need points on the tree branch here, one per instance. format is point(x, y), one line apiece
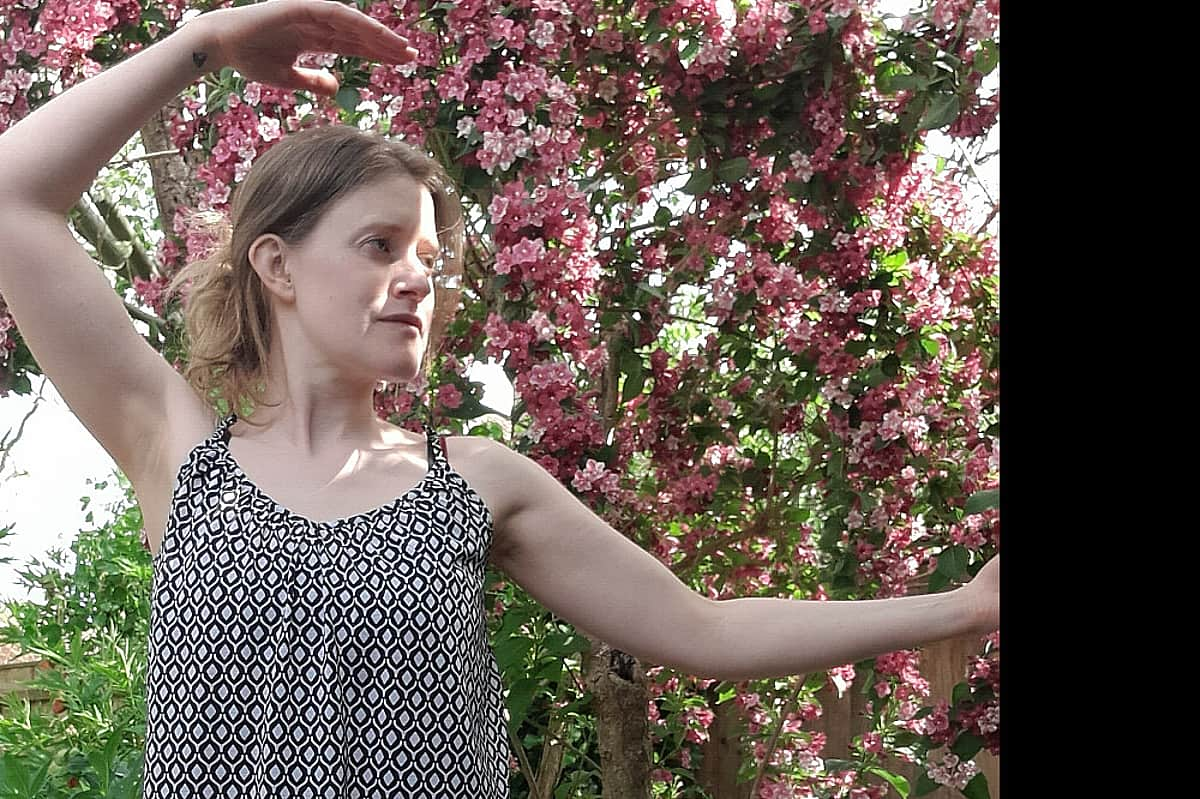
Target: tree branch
point(147, 157)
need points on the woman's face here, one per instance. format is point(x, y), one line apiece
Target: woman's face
point(367, 258)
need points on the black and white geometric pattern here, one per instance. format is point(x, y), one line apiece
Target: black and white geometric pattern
point(335, 660)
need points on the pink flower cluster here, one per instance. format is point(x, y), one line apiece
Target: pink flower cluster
point(245, 131)
point(151, 291)
point(898, 675)
point(952, 771)
point(449, 396)
point(595, 477)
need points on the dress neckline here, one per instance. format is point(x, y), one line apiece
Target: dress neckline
point(433, 464)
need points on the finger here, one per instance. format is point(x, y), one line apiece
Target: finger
point(366, 36)
point(317, 81)
point(373, 50)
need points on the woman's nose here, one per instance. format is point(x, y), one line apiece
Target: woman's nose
point(412, 279)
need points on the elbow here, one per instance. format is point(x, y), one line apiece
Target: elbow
point(710, 649)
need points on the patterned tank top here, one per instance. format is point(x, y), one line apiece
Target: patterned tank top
point(346, 659)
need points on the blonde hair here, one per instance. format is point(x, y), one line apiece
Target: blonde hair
point(227, 311)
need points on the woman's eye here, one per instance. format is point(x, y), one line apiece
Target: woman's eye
point(383, 241)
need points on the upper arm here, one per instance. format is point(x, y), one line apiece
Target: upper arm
point(81, 336)
point(576, 565)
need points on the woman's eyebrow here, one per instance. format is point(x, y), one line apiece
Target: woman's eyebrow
point(384, 224)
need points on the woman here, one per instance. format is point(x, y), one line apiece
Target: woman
point(300, 645)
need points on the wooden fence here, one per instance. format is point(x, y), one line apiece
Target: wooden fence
point(944, 664)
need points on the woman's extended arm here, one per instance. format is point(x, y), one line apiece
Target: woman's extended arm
point(576, 565)
point(759, 637)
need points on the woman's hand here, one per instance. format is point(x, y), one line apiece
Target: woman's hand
point(263, 41)
point(982, 597)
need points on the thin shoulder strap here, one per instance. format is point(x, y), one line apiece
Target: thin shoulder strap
point(224, 427)
point(437, 455)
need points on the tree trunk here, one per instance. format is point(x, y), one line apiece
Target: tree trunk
point(618, 685)
point(173, 176)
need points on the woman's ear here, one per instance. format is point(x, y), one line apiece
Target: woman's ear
point(267, 258)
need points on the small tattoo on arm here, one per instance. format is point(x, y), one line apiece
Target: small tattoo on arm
point(199, 58)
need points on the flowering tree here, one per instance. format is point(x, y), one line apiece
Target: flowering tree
point(743, 319)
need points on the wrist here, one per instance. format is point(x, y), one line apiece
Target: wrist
point(198, 38)
point(979, 614)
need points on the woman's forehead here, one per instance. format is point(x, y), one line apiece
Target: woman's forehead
point(398, 201)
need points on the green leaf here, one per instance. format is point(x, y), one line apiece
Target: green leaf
point(895, 780)
point(663, 216)
point(967, 746)
point(943, 109)
point(700, 182)
point(982, 500)
point(520, 697)
point(511, 651)
point(633, 386)
point(924, 785)
point(987, 57)
point(930, 346)
point(961, 693)
point(977, 788)
point(635, 375)
point(347, 98)
point(766, 94)
point(952, 562)
point(831, 534)
point(890, 365)
point(876, 376)
point(902, 82)
point(652, 290)
point(733, 169)
point(884, 75)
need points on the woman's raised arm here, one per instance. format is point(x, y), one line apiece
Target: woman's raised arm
point(73, 322)
point(50, 158)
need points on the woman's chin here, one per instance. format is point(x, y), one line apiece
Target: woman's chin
point(400, 377)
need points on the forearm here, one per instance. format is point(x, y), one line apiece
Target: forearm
point(759, 637)
point(50, 157)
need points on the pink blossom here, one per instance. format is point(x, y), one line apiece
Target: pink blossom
point(449, 395)
point(542, 325)
point(587, 476)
